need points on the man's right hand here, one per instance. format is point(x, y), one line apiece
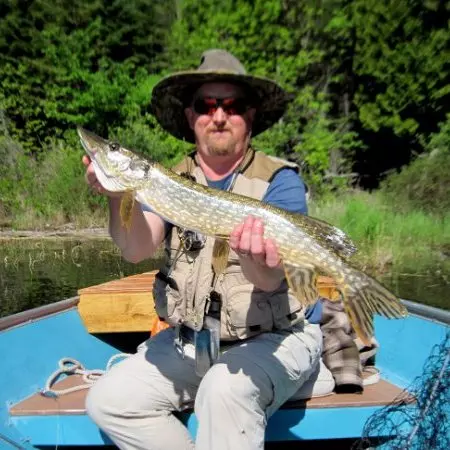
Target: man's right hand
point(92, 180)
point(147, 230)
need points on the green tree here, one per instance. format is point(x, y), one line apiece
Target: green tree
point(401, 63)
point(71, 62)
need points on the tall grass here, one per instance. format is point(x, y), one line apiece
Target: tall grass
point(47, 189)
point(389, 240)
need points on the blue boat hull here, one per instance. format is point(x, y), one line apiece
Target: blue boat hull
point(30, 352)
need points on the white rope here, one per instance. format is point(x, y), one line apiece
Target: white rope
point(70, 366)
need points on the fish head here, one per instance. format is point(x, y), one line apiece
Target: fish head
point(117, 168)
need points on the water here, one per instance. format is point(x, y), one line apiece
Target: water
point(38, 272)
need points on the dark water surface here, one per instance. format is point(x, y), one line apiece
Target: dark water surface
point(38, 272)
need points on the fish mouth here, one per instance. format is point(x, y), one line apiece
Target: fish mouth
point(90, 141)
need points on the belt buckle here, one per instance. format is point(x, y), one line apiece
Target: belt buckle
point(178, 341)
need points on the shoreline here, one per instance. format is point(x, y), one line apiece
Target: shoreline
point(55, 233)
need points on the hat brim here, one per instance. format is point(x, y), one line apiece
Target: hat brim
point(169, 96)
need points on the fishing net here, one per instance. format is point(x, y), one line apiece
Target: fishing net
point(424, 425)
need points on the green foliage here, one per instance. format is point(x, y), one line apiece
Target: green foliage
point(401, 60)
point(440, 141)
point(391, 242)
point(73, 62)
point(425, 183)
point(140, 130)
point(60, 187)
point(15, 173)
point(348, 64)
point(146, 136)
point(49, 189)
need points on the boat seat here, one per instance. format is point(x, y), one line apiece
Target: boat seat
point(379, 394)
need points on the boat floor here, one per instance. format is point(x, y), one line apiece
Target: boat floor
point(379, 394)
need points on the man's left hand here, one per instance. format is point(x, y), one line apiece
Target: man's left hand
point(247, 240)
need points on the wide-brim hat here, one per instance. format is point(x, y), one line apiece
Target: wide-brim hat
point(173, 93)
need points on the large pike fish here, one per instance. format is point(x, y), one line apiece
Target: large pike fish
point(306, 246)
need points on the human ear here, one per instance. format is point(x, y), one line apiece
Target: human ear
point(190, 116)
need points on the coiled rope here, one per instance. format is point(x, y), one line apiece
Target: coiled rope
point(70, 366)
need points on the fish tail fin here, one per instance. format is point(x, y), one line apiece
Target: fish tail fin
point(363, 296)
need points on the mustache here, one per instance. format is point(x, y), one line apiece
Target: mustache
point(213, 130)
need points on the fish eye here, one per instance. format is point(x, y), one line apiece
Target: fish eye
point(114, 146)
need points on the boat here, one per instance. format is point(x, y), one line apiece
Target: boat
point(102, 322)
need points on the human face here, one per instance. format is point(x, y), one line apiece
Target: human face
point(221, 131)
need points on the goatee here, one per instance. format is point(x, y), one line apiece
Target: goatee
point(221, 147)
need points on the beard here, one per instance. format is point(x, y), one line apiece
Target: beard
point(221, 144)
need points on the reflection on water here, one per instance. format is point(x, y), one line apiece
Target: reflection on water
point(38, 272)
point(430, 289)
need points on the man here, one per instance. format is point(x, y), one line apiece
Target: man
point(267, 347)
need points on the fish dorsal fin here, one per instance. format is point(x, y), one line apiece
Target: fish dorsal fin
point(329, 236)
point(126, 209)
point(221, 251)
point(302, 281)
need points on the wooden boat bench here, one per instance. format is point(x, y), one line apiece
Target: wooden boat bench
point(73, 403)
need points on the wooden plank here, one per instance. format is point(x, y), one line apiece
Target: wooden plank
point(115, 312)
point(379, 394)
point(123, 305)
point(140, 282)
point(67, 404)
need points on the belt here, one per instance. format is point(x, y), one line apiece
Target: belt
point(188, 335)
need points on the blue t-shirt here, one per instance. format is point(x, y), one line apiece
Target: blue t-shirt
point(286, 190)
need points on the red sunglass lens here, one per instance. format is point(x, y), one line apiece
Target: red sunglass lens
point(209, 105)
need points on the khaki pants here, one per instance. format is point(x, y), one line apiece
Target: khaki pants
point(134, 401)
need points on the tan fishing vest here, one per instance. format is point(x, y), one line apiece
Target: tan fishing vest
point(246, 311)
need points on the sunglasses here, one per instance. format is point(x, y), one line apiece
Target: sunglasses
point(230, 105)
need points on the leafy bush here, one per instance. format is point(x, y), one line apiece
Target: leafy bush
point(425, 183)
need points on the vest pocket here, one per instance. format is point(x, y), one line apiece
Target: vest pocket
point(248, 312)
point(168, 302)
point(286, 309)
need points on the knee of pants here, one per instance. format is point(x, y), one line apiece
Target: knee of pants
point(107, 399)
point(100, 403)
point(221, 389)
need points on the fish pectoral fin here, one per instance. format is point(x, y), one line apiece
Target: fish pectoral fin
point(221, 251)
point(126, 209)
point(302, 281)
